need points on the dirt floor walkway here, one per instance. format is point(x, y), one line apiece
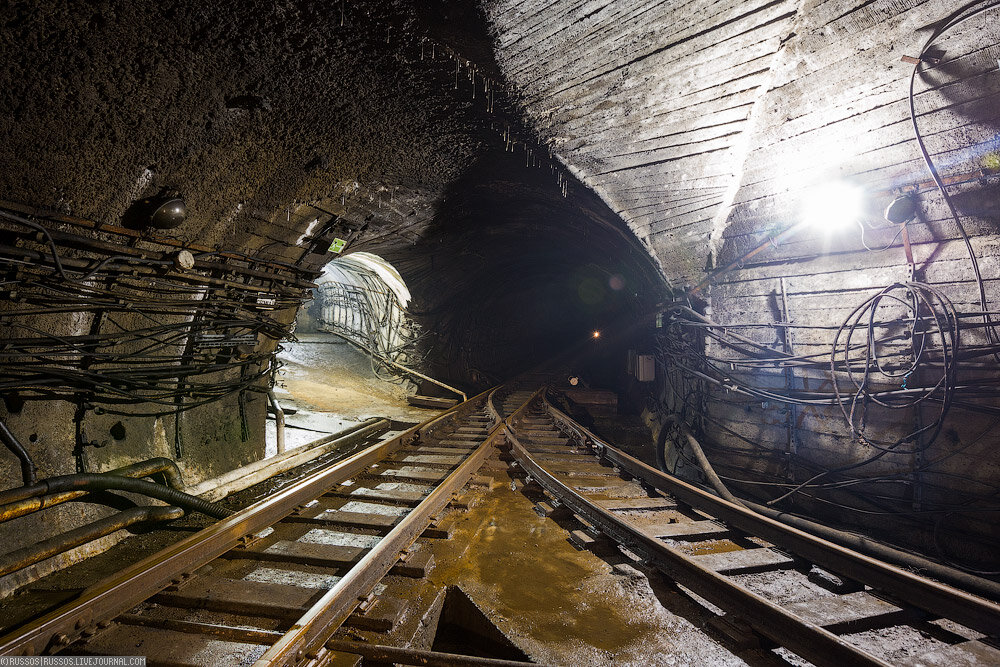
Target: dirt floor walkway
point(331, 386)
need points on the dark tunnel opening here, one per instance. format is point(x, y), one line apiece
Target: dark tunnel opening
point(512, 274)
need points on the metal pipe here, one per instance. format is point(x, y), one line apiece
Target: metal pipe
point(147, 468)
point(28, 470)
point(31, 505)
point(24, 506)
point(279, 419)
point(22, 558)
point(413, 656)
point(706, 467)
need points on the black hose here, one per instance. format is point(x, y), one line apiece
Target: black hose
point(29, 473)
point(105, 482)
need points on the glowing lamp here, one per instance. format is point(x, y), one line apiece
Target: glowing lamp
point(597, 334)
point(832, 206)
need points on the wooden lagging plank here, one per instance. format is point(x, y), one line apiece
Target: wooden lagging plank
point(603, 487)
point(440, 531)
point(381, 617)
point(417, 565)
point(378, 495)
point(353, 519)
point(561, 455)
point(428, 449)
point(432, 459)
point(303, 553)
point(963, 654)
point(578, 469)
point(687, 530)
point(404, 475)
point(169, 648)
point(334, 556)
point(555, 440)
point(566, 448)
point(459, 444)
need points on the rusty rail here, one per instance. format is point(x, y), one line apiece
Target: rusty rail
point(970, 610)
point(116, 595)
point(309, 634)
point(810, 641)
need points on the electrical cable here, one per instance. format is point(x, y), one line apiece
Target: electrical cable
point(957, 18)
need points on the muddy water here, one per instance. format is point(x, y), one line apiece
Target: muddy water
point(563, 606)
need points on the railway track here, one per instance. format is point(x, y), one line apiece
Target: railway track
point(272, 583)
point(767, 580)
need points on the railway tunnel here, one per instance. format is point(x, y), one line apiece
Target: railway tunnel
point(747, 247)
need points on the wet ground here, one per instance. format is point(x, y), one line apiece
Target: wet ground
point(331, 386)
point(567, 607)
point(557, 604)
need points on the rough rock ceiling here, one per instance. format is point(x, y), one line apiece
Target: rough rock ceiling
point(279, 121)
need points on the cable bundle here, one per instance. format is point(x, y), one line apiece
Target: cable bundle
point(922, 341)
point(133, 327)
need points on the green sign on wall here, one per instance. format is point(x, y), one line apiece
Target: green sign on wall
point(337, 245)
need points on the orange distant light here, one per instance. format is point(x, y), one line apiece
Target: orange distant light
point(597, 334)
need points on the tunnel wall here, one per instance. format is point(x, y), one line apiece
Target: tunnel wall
point(245, 115)
point(702, 124)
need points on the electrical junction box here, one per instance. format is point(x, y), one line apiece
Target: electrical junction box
point(645, 368)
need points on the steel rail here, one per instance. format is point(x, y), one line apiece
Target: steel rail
point(306, 639)
point(119, 593)
point(809, 641)
point(932, 596)
point(496, 413)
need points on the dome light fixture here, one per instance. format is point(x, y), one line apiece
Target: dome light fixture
point(168, 213)
point(901, 210)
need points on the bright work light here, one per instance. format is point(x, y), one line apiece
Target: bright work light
point(831, 206)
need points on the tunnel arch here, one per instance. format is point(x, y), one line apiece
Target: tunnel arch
point(362, 297)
